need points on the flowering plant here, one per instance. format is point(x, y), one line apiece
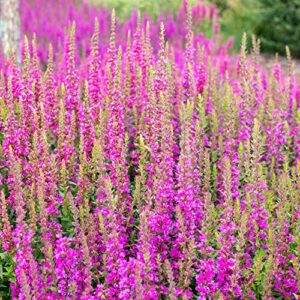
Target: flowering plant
point(151, 165)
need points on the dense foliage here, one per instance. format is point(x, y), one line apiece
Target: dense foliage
point(275, 22)
point(124, 8)
point(280, 26)
point(147, 163)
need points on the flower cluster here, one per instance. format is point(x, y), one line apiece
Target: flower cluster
point(146, 162)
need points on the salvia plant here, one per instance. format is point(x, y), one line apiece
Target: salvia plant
point(146, 162)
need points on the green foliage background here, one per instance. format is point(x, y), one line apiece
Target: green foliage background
point(237, 17)
point(152, 7)
point(280, 26)
point(275, 22)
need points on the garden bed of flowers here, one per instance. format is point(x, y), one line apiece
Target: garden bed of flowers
point(142, 161)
